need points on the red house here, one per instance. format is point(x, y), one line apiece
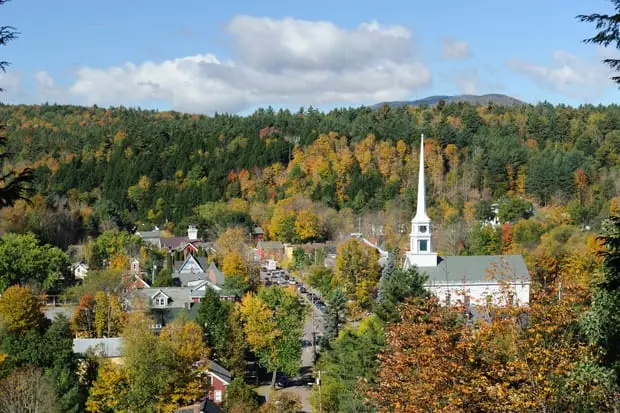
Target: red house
point(219, 379)
point(269, 250)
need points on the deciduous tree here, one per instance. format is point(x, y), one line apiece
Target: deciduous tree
point(20, 310)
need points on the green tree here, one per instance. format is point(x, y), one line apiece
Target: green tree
point(335, 314)
point(396, 288)
point(273, 322)
point(14, 184)
point(240, 398)
point(352, 358)
point(602, 323)
point(357, 268)
point(24, 261)
point(213, 317)
point(50, 347)
point(609, 33)
point(485, 240)
point(513, 209)
point(483, 210)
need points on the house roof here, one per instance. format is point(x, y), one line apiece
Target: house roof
point(174, 242)
point(477, 269)
point(149, 234)
point(217, 274)
point(258, 231)
point(220, 372)
point(207, 406)
point(270, 245)
point(109, 347)
point(177, 296)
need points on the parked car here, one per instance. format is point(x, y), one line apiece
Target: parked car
point(282, 381)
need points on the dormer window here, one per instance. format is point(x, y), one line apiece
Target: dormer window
point(161, 301)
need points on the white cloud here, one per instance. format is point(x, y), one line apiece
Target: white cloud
point(275, 61)
point(569, 75)
point(10, 81)
point(455, 49)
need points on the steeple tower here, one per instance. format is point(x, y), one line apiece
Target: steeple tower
point(421, 251)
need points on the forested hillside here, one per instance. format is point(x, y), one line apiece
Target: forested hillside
point(97, 167)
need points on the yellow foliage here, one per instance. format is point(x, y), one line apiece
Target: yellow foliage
point(119, 262)
point(19, 309)
point(234, 264)
point(308, 225)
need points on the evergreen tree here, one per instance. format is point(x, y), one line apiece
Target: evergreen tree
point(609, 26)
point(602, 323)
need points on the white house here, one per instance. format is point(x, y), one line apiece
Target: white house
point(80, 270)
point(471, 279)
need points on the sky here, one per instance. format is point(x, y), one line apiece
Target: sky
point(235, 56)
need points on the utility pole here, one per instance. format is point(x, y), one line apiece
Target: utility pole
point(313, 335)
point(318, 381)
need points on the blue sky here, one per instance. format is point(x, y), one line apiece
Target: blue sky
point(204, 56)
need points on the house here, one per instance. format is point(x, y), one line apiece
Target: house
point(269, 250)
point(152, 237)
point(206, 406)
point(219, 379)
point(195, 269)
point(166, 303)
point(134, 281)
point(109, 348)
point(475, 280)
point(191, 269)
point(80, 270)
point(258, 234)
point(134, 266)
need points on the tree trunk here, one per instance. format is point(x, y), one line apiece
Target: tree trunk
point(273, 378)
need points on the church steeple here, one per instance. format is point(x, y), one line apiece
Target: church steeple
point(421, 251)
point(420, 214)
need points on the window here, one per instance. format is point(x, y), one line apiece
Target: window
point(423, 229)
point(423, 245)
point(217, 396)
point(161, 301)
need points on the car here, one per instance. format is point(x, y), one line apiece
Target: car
point(302, 289)
point(282, 381)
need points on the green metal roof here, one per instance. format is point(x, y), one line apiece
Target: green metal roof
point(477, 269)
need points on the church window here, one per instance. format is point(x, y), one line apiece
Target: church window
point(423, 229)
point(423, 245)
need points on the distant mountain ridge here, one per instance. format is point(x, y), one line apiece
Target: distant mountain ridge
point(495, 98)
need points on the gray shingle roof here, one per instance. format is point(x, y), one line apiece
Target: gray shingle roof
point(178, 295)
point(477, 269)
point(220, 371)
point(110, 347)
point(270, 245)
point(149, 234)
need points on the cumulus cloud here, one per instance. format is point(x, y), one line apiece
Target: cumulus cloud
point(569, 74)
point(10, 82)
point(274, 61)
point(455, 49)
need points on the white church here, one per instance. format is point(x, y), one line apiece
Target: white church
point(472, 280)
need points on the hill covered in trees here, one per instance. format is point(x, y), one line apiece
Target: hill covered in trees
point(493, 98)
point(97, 167)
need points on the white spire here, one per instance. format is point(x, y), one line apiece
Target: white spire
point(420, 214)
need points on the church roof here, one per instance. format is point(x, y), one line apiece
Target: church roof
point(476, 269)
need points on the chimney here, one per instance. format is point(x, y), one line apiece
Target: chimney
point(192, 233)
